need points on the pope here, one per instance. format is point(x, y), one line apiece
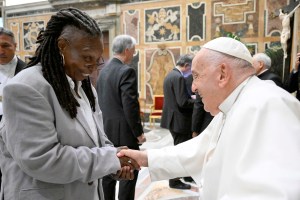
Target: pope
point(251, 149)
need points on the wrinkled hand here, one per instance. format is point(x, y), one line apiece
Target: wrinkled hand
point(126, 161)
point(127, 167)
point(141, 139)
point(140, 157)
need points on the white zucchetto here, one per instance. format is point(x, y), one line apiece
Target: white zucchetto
point(229, 46)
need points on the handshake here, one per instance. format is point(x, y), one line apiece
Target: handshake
point(130, 160)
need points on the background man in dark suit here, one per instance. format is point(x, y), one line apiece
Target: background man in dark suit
point(262, 63)
point(10, 65)
point(293, 82)
point(178, 108)
point(118, 100)
point(200, 118)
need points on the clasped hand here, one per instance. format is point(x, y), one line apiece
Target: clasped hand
point(128, 166)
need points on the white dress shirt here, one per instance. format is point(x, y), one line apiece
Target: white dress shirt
point(84, 107)
point(7, 71)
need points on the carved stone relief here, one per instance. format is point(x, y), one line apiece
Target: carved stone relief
point(159, 62)
point(162, 24)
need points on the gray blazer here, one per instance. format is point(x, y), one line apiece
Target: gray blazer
point(44, 153)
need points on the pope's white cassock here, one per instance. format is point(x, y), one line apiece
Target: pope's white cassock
point(251, 149)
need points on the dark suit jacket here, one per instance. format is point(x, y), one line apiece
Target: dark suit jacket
point(118, 100)
point(268, 75)
point(20, 65)
point(188, 83)
point(293, 84)
point(178, 105)
point(201, 118)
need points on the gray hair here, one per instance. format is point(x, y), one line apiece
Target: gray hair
point(262, 57)
point(4, 31)
point(121, 43)
point(186, 58)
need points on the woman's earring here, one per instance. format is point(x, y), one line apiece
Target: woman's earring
point(62, 59)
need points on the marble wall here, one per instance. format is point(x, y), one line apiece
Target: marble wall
point(166, 29)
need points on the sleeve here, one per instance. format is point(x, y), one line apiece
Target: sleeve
point(32, 140)
point(184, 159)
point(183, 99)
point(129, 96)
point(293, 82)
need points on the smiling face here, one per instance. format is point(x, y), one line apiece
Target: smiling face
point(7, 49)
point(82, 54)
point(206, 81)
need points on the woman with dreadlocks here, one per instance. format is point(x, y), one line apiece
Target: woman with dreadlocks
point(52, 141)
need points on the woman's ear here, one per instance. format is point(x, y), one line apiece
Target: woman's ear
point(61, 43)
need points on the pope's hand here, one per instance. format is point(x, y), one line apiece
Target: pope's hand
point(125, 161)
point(140, 157)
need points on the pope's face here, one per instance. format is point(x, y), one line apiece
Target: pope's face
point(7, 49)
point(82, 56)
point(205, 81)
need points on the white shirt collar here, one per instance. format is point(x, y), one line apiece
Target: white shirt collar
point(179, 70)
point(72, 84)
point(262, 72)
point(9, 68)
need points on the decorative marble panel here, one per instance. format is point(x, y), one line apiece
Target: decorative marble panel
point(252, 48)
point(195, 21)
point(235, 16)
point(131, 23)
point(162, 24)
point(30, 33)
point(193, 49)
point(159, 62)
point(272, 22)
point(15, 28)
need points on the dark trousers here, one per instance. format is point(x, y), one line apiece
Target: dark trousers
point(126, 188)
point(179, 138)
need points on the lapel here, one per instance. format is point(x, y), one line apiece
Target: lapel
point(20, 66)
point(99, 129)
point(81, 119)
